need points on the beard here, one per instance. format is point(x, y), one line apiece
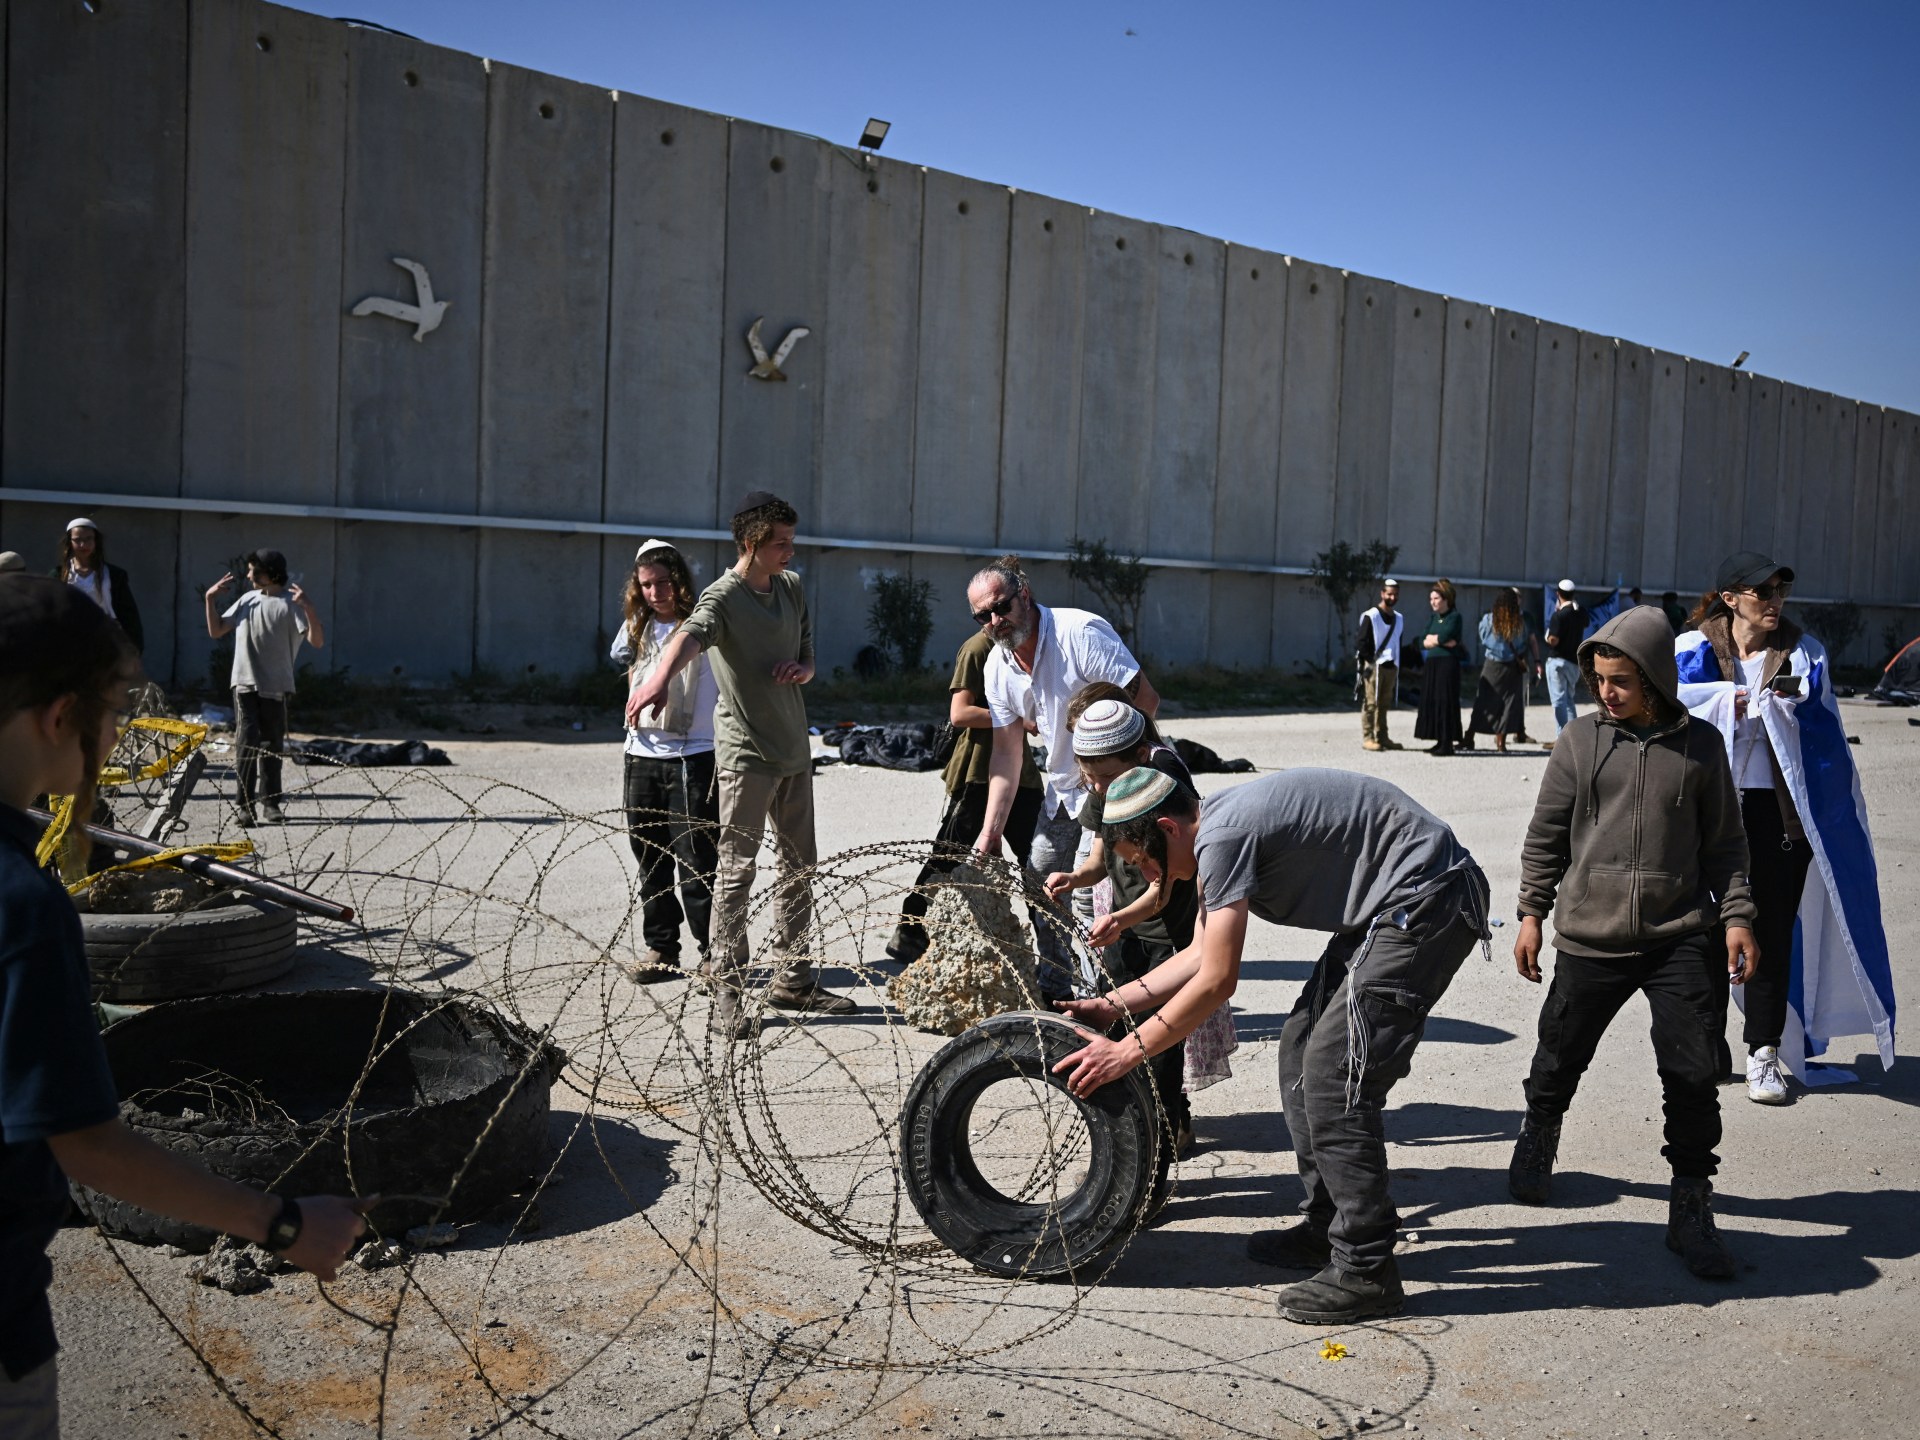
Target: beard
point(1013, 637)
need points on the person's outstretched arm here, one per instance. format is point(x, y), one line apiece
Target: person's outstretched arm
point(217, 625)
point(1003, 778)
point(316, 633)
point(675, 656)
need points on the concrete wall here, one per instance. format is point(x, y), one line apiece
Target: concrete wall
point(199, 191)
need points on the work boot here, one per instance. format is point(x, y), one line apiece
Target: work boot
point(1386, 744)
point(1340, 1297)
point(1371, 745)
point(908, 944)
point(1298, 1247)
point(810, 998)
point(728, 1021)
point(652, 968)
point(273, 814)
point(1690, 1231)
point(1530, 1172)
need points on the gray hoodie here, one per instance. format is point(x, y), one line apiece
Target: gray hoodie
point(1638, 841)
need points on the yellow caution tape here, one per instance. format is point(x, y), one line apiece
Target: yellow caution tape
point(225, 850)
point(191, 735)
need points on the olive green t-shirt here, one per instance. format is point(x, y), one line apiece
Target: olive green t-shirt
point(973, 755)
point(758, 725)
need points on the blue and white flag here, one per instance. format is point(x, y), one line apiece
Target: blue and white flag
point(1598, 615)
point(1842, 977)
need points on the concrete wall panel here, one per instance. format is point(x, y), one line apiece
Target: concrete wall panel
point(410, 410)
point(1246, 496)
point(1309, 447)
point(1835, 510)
point(1503, 546)
point(1117, 368)
point(266, 159)
point(1549, 497)
point(97, 103)
point(1754, 516)
point(1772, 516)
point(963, 345)
point(1711, 459)
point(1413, 458)
point(668, 344)
point(1896, 555)
point(1810, 500)
point(543, 361)
point(777, 238)
point(1040, 407)
point(1587, 496)
point(1466, 387)
point(1360, 499)
point(1869, 424)
point(1627, 489)
point(1666, 435)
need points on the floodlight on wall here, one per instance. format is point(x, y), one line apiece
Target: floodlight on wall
point(875, 135)
point(1742, 360)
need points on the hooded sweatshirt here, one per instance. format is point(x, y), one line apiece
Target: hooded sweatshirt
point(1639, 841)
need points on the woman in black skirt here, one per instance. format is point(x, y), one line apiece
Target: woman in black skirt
point(1501, 703)
point(1440, 652)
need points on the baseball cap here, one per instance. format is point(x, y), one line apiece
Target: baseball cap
point(1749, 567)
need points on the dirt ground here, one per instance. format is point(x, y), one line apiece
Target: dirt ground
point(670, 1290)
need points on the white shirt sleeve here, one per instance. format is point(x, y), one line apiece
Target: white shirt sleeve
point(1100, 654)
point(999, 695)
point(621, 651)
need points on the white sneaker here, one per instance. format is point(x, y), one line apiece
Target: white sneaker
point(1765, 1084)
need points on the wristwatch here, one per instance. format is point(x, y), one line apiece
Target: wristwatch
point(285, 1228)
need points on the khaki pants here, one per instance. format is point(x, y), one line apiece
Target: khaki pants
point(748, 801)
point(1381, 680)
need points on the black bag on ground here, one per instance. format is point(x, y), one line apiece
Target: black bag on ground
point(1202, 760)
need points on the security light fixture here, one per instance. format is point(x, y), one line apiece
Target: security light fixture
point(1742, 360)
point(875, 135)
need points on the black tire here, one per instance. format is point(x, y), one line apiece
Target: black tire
point(1010, 1237)
point(235, 943)
point(458, 1092)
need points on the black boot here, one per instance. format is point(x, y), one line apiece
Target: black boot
point(1298, 1247)
point(1690, 1232)
point(1340, 1297)
point(1530, 1172)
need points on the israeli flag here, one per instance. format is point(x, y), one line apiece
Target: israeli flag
point(1842, 977)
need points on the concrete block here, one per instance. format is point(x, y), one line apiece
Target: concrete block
point(1896, 555)
point(669, 343)
point(871, 365)
point(1464, 401)
point(1713, 456)
point(1413, 458)
point(1117, 367)
point(1774, 514)
point(1550, 457)
point(1869, 422)
point(1309, 411)
point(777, 229)
point(1504, 518)
point(1587, 496)
point(1815, 500)
point(1040, 424)
point(1178, 607)
point(1763, 480)
point(543, 362)
point(1360, 501)
point(1303, 623)
point(1627, 490)
point(410, 410)
point(962, 361)
point(266, 138)
point(1666, 422)
point(1835, 510)
point(95, 255)
point(1246, 493)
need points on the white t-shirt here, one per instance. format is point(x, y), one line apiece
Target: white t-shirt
point(97, 587)
point(1752, 754)
point(664, 744)
point(1076, 647)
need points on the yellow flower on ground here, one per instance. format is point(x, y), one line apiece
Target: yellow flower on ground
point(1333, 1350)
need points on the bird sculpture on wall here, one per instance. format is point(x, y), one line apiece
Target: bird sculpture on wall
point(769, 369)
point(424, 315)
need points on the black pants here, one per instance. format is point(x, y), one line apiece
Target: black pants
point(1689, 1019)
point(1131, 957)
point(673, 810)
point(1355, 1026)
point(959, 828)
point(259, 737)
point(1779, 871)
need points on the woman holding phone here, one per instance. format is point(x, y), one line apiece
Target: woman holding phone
point(1764, 683)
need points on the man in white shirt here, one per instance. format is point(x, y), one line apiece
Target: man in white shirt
point(1042, 657)
point(1376, 650)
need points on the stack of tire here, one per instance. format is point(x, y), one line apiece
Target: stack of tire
point(232, 942)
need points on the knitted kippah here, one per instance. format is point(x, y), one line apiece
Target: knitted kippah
point(1136, 793)
point(1108, 727)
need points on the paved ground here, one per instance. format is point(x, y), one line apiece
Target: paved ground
point(664, 1296)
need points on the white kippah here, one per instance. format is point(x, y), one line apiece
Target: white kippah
point(1108, 727)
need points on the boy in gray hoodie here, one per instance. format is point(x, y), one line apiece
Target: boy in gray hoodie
point(1637, 836)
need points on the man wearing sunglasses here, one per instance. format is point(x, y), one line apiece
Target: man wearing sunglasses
point(1042, 658)
point(1766, 685)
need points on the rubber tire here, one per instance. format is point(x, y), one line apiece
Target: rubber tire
point(1009, 1237)
point(234, 944)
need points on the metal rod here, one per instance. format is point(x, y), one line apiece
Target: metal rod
point(210, 869)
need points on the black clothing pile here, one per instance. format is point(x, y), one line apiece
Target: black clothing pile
point(359, 753)
point(892, 747)
point(1201, 760)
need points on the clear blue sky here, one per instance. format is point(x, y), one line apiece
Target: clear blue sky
point(1707, 178)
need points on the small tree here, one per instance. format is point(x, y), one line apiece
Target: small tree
point(1118, 581)
point(1838, 624)
point(1345, 569)
point(900, 619)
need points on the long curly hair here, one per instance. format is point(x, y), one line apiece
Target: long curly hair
point(63, 567)
point(634, 605)
point(1506, 614)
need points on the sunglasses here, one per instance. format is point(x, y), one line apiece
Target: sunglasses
point(995, 611)
point(1782, 588)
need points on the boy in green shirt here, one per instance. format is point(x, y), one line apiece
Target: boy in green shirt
point(752, 623)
